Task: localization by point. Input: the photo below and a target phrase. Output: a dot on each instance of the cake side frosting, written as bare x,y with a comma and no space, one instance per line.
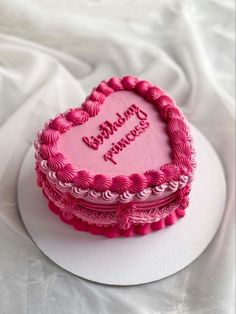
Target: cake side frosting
122,220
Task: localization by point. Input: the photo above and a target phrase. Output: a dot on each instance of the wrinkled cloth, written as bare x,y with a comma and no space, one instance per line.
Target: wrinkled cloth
51,54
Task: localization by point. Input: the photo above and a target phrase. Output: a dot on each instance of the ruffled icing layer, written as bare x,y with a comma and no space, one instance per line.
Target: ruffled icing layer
115,230
120,219
77,116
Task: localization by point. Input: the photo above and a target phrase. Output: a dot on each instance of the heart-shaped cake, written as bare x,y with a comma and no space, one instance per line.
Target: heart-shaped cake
120,165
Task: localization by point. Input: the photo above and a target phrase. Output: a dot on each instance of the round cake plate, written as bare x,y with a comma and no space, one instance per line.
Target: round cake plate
135,260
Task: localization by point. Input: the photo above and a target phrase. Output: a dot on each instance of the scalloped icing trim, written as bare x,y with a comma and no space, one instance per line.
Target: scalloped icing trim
183,153
107,195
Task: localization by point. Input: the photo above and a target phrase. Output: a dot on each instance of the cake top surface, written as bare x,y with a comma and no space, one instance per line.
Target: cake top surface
128,135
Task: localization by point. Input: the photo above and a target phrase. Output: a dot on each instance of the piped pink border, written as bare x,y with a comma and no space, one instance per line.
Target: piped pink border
183,154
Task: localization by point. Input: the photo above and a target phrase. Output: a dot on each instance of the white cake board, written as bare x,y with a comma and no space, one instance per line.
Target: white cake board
129,261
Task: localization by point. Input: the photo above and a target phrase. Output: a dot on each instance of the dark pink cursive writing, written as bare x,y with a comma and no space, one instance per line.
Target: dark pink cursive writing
109,128
126,140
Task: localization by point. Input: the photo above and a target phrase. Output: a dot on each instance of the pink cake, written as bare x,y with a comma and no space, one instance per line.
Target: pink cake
122,164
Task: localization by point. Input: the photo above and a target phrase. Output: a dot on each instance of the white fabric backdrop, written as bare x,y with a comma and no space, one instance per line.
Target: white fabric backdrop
51,54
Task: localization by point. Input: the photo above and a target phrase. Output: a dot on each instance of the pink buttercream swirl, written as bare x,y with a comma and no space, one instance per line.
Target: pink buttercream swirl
173,186
78,192
175,114
43,166
52,177
138,182
120,184
97,96
153,93
142,87
129,82
182,148
115,84
182,161
183,181
83,179
37,155
39,134
144,194
57,162
64,186
165,101
37,144
66,174
104,88
48,150
171,172
109,196
126,197
101,182
77,116
50,136
176,124
94,195
47,123
165,105
60,124
159,190
178,137
91,107
155,177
